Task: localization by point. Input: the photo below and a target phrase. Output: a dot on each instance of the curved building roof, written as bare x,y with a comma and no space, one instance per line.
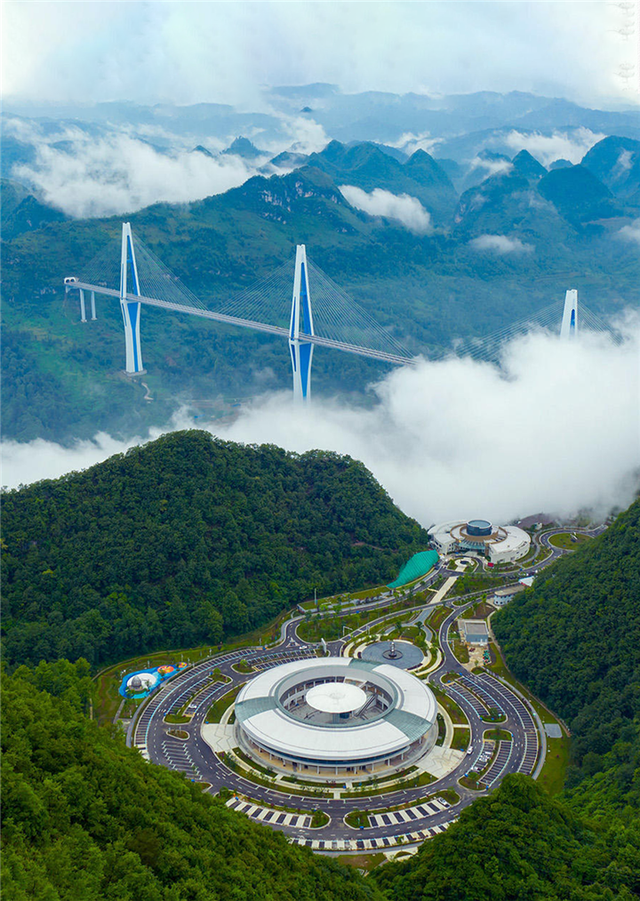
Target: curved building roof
410,715
417,566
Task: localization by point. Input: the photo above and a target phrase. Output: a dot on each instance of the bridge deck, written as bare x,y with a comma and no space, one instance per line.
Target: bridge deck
250,324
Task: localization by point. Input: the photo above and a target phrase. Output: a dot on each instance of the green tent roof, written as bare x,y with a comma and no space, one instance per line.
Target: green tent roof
419,565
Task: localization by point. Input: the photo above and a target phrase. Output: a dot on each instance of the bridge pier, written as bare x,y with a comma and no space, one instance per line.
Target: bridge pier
301,350
93,306
83,310
130,310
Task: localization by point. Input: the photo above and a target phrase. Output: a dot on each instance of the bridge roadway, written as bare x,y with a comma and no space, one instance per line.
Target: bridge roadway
396,359
196,759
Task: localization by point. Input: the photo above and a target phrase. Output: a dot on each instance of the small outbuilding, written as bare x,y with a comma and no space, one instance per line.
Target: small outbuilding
474,631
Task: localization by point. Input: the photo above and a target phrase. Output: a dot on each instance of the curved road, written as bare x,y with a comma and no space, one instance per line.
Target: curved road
474,694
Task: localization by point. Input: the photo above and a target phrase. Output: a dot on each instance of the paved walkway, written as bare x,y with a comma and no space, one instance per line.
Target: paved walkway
444,589
409,814
269,815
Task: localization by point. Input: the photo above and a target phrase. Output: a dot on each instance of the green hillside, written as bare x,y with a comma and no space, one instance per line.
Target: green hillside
186,540
87,819
71,825
574,638
519,844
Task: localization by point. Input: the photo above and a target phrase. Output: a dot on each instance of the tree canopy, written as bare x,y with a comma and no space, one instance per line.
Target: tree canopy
187,540
86,818
573,638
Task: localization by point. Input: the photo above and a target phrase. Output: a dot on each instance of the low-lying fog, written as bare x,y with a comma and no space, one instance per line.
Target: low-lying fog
557,429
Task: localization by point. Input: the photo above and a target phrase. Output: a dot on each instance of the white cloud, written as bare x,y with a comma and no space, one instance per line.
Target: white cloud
624,162
402,207
630,232
119,174
50,460
409,142
305,135
570,146
556,430
500,244
493,167
207,51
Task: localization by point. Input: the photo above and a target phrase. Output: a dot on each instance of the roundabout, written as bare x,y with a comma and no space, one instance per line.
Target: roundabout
402,654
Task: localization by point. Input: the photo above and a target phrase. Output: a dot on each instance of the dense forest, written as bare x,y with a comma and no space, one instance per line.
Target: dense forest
519,844
87,819
573,638
185,541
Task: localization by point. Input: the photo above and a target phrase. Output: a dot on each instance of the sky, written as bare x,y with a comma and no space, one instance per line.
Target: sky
184,52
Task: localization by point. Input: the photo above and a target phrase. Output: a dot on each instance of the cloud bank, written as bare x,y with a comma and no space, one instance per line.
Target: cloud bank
556,430
119,174
492,167
401,207
409,142
500,244
570,146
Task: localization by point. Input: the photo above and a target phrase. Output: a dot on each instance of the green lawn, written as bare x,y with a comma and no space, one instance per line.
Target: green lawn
366,862
497,735
242,667
217,710
460,741
554,770
564,541
357,819
455,712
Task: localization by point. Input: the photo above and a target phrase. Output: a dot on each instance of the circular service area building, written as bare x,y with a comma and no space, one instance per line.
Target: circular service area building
501,544
336,717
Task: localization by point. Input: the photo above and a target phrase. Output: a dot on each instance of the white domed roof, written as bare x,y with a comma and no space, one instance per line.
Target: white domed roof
336,697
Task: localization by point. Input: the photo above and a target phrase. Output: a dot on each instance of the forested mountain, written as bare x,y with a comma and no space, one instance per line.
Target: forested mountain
519,844
368,167
87,819
573,638
186,540
563,229
616,162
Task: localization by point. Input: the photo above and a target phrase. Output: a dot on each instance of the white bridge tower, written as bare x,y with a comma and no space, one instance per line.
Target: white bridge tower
569,327
301,350
130,309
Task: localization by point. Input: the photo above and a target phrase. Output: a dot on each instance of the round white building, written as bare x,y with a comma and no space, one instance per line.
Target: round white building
501,544
336,718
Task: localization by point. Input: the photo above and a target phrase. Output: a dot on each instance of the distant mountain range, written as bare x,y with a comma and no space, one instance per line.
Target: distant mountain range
451,127
371,115
508,236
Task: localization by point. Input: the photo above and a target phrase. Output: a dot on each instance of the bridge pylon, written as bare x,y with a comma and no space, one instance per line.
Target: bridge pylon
130,310
569,327
301,350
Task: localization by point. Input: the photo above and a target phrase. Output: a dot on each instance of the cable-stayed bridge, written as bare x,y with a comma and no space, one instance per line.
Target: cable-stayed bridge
334,320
